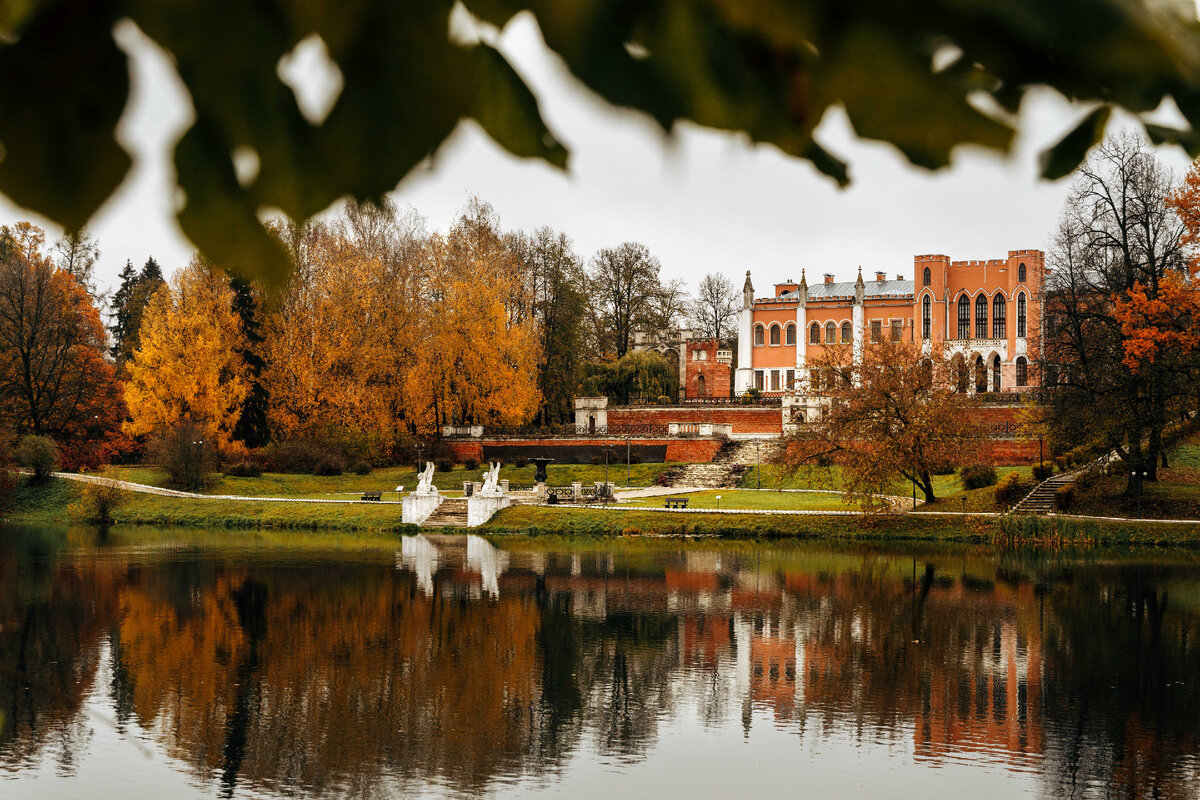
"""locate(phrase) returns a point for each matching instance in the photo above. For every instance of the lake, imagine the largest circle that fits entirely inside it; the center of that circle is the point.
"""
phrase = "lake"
(178, 664)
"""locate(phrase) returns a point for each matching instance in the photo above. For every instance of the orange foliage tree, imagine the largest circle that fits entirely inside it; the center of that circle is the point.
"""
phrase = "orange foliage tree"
(187, 365)
(54, 378)
(894, 416)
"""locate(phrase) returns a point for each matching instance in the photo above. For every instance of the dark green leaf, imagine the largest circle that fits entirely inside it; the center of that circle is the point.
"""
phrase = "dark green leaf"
(1058, 161)
(63, 86)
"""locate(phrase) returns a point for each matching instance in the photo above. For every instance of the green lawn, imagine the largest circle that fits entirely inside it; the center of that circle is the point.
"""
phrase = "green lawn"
(275, 484)
(58, 502)
(751, 499)
(1175, 495)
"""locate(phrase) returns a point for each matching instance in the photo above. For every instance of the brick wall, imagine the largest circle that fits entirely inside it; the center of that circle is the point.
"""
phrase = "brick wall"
(750, 419)
(691, 450)
(718, 376)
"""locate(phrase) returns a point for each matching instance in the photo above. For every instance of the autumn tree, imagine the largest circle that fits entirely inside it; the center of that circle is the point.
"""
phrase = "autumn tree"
(478, 359)
(1118, 248)
(555, 282)
(896, 415)
(714, 310)
(187, 366)
(625, 293)
(54, 379)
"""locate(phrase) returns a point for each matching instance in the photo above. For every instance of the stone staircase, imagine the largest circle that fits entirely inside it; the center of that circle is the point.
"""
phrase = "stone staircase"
(1041, 499)
(726, 469)
(452, 513)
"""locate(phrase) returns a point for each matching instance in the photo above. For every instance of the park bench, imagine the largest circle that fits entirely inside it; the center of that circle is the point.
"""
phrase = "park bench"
(677, 502)
(372, 496)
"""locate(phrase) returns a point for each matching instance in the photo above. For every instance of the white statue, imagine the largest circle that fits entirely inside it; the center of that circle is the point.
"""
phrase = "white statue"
(491, 479)
(425, 480)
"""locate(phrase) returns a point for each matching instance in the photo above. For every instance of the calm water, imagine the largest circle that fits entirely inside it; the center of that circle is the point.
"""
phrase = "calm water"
(131, 669)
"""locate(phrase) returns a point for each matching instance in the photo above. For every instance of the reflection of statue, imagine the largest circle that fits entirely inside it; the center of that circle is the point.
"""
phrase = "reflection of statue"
(425, 480)
(491, 479)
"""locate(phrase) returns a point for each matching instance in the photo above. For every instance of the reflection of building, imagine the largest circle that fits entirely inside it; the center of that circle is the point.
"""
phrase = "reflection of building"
(985, 313)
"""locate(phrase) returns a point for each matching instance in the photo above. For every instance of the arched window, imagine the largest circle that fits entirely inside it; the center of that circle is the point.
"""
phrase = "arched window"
(1021, 273)
(981, 378)
(995, 373)
(814, 333)
(791, 333)
(964, 317)
(758, 335)
(1022, 371)
(927, 278)
(999, 330)
(847, 333)
(926, 316)
(701, 388)
(981, 317)
(830, 333)
(774, 334)
(1021, 316)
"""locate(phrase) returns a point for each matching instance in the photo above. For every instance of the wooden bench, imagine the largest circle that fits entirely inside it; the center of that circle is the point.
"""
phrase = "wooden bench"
(372, 496)
(678, 502)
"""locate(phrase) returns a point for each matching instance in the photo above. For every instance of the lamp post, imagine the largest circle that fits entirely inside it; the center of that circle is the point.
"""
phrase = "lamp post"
(420, 446)
(605, 501)
(757, 467)
(914, 483)
(1041, 457)
(628, 480)
(1139, 477)
(718, 502)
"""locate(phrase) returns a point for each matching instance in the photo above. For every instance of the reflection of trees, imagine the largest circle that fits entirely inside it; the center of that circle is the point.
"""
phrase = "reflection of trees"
(344, 679)
(52, 619)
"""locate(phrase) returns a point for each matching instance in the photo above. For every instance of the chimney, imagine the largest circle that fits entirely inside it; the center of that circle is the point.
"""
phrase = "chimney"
(899, 277)
(828, 278)
(880, 277)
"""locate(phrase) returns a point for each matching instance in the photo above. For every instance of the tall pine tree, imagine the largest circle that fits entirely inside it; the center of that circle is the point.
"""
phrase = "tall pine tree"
(129, 302)
(251, 428)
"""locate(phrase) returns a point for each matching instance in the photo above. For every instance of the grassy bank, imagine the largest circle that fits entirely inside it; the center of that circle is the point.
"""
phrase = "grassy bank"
(58, 502)
(535, 521)
(751, 499)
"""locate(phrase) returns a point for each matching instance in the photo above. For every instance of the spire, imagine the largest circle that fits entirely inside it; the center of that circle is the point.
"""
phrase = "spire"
(803, 292)
(747, 292)
(803, 280)
(859, 287)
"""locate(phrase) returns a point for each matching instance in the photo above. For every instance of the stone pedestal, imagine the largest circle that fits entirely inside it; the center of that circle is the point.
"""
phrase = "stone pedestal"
(416, 508)
(578, 488)
(481, 507)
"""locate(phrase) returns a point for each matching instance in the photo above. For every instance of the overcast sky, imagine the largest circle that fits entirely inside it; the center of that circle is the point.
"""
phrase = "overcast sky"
(701, 201)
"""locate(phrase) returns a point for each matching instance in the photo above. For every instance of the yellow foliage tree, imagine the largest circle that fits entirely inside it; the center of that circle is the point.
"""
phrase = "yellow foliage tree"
(187, 366)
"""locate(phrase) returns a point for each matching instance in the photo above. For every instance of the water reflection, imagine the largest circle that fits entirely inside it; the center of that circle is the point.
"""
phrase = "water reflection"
(457, 665)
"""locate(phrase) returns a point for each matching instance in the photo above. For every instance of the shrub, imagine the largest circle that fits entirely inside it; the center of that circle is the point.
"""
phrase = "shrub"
(519, 462)
(471, 463)
(597, 460)
(1087, 479)
(663, 400)
(245, 469)
(300, 455)
(1064, 496)
(40, 454)
(186, 455)
(1012, 489)
(1043, 470)
(1061, 463)
(99, 499)
(328, 467)
(444, 465)
(978, 476)
(362, 468)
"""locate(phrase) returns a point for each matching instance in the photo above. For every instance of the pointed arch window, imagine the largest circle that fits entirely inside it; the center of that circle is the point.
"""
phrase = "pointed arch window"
(964, 317)
(814, 333)
(830, 333)
(1021, 315)
(981, 317)
(1022, 371)
(999, 328)
(995, 373)
(926, 316)
(1021, 273)
(927, 277)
